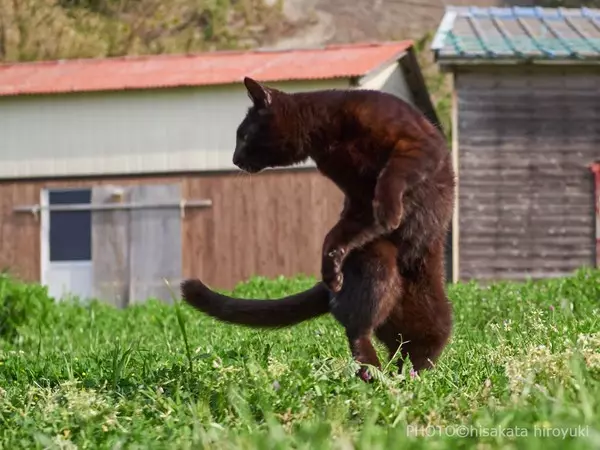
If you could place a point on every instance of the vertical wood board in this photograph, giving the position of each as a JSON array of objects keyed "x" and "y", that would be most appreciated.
[
  {"x": 155, "y": 243},
  {"x": 110, "y": 247},
  {"x": 526, "y": 138}
]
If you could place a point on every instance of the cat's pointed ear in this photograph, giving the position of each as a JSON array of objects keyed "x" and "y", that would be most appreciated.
[{"x": 260, "y": 95}]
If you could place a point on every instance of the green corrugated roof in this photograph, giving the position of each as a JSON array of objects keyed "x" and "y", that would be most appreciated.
[{"x": 467, "y": 33}]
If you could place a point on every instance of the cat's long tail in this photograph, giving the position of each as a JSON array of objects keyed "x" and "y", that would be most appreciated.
[{"x": 278, "y": 313}]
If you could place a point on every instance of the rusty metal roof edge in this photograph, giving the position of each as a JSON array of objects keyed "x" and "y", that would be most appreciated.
[
  {"x": 278, "y": 55},
  {"x": 245, "y": 52},
  {"x": 157, "y": 86}
]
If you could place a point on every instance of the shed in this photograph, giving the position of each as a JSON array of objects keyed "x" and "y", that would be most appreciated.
[
  {"x": 526, "y": 129},
  {"x": 116, "y": 173}
]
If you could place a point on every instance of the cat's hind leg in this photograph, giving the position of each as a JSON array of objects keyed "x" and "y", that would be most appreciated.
[
  {"x": 369, "y": 293},
  {"x": 418, "y": 336},
  {"x": 422, "y": 319}
]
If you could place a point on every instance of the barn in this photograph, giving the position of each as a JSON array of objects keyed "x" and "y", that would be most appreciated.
[
  {"x": 116, "y": 174},
  {"x": 525, "y": 135}
]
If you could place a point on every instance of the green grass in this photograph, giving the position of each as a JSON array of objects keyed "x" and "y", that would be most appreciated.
[{"x": 523, "y": 358}]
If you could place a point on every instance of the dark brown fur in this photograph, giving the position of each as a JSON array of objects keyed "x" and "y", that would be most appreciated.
[{"x": 382, "y": 262}]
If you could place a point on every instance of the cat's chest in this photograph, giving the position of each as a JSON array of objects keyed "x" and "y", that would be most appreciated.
[{"x": 349, "y": 168}]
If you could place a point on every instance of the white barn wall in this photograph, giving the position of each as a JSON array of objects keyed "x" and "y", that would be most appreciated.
[
  {"x": 391, "y": 80},
  {"x": 125, "y": 132},
  {"x": 135, "y": 132}
]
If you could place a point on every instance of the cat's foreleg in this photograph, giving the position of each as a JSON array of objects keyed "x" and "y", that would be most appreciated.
[
  {"x": 355, "y": 229},
  {"x": 407, "y": 166},
  {"x": 346, "y": 235}
]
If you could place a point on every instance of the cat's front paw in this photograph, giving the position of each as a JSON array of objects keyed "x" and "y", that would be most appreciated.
[
  {"x": 387, "y": 216},
  {"x": 331, "y": 269}
]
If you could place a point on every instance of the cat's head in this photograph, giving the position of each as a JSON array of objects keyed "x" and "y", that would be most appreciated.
[{"x": 267, "y": 137}]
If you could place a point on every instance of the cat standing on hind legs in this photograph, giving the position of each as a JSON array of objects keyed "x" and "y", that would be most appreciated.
[{"x": 382, "y": 262}]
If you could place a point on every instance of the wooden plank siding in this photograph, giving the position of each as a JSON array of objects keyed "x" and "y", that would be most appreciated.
[
  {"x": 110, "y": 245},
  {"x": 155, "y": 243},
  {"x": 526, "y": 138},
  {"x": 268, "y": 224}
]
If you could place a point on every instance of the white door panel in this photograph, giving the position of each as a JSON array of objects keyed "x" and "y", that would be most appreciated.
[
  {"x": 66, "y": 263},
  {"x": 69, "y": 278}
]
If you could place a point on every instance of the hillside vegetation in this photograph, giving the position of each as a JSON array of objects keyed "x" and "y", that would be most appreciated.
[
  {"x": 61, "y": 29},
  {"x": 522, "y": 371}
]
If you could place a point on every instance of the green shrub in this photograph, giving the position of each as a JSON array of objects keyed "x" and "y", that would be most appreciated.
[{"x": 20, "y": 303}]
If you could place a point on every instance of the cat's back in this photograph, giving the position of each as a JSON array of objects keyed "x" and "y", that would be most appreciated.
[
  {"x": 385, "y": 114},
  {"x": 377, "y": 102},
  {"x": 354, "y": 99}
]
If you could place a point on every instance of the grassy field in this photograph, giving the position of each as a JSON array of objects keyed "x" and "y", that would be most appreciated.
[{"x": 522, "y": 371}]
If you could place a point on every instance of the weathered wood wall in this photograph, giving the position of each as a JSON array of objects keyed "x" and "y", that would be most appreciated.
[
  {"x": 526, "y": 138},
  {"x": 267, "y": 224}
]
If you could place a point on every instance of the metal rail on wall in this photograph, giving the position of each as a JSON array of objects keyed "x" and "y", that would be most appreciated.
[{"x": 35, "y": 209}]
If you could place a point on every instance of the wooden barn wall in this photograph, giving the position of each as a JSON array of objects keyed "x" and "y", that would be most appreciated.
[
  {"x": 526, "y": 138},
  {"x": 267, "y": 224}
]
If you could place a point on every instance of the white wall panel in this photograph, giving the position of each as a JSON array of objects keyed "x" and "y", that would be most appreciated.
[
  {"x": 389, "y": 79},
  {"x": 124, "y": 132},
  {"x": 130, "y": 132}
]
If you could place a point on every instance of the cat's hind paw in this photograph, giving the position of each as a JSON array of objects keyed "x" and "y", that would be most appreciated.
[{"x": 331, "y": 269}]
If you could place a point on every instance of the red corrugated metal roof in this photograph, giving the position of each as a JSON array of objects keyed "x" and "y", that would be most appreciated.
[{"x": 144, "y": 72}]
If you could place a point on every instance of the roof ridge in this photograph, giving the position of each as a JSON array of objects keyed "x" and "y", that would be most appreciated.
[{"x": 212, "y": 54}]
